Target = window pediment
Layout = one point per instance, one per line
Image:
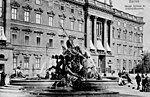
(81, 20)
(27, 7)
(15, 4)
(72, 36)
(51, 13)
(72, 18)
(62, 16)
(38, 10)
(81, 38)
(27, 30)
(51, 34)
(15, 28)
(38, 32)
(62, 35)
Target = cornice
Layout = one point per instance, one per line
(128, 19)
(100, 8)
(76, 2)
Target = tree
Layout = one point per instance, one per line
(144, 65)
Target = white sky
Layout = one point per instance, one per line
(120, 4)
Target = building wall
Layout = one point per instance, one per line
(127, 47)
(17, 29)
(44, 51)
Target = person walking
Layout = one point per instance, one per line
(138, 80)
(143, 82)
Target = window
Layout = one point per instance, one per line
(62, 7)
(37, 63)
(72, 25)
(62, 42)
(26, 62)
(50, 21)
(80, 12)
(62, 22)
(13, 13)
(26, 40)
(119, 48)
(0, 8)
(118, 23)
(141, 38)
(80, 26)
(50, 42)
(38, 18)
(130, 65)
(125, 34)
(119, 33)
(26, 16)
(124, 63)
(124, 49)
(99, 29)
(113, 32)
(38, 1)
(14, 38)
(130, 36)
(72, 9)
(130, 50)
(118, 65)
(135, 37)
(14, 62)
(38, 40)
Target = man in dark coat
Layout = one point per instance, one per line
(138, 80)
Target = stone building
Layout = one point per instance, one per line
(6, 50)
(127, 40)
(36, 30)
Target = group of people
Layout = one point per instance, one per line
(124, 76)
(142, 81)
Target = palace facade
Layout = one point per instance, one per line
(36, 30)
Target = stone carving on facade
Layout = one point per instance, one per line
(38, 10)
(15, 4)
(51, 13)
(27, 7)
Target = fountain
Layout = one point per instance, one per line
(75, 75)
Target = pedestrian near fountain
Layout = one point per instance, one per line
(143, 82)
(138, 80)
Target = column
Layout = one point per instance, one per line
(88, 32)
(95, 33)
(111, 22)
(105, 34)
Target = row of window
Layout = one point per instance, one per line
(27, 39)
(38, 19)
(135, 37)
(129, 26)
(127, 50)
(127, 64)
(25, 64)
(62, 6)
